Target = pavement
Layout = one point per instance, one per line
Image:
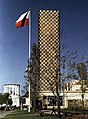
(4, 113)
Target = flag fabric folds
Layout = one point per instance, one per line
(26, 73)
(26, 70)
(23, 20)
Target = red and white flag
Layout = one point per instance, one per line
(23, 20)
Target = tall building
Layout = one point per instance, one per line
(49, 45)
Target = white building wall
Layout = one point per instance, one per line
(75, 92)
(16, 101)
(14, 91)
(74, 95)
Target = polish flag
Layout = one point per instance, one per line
(23, 20)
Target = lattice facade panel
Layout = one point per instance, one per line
(49, 45)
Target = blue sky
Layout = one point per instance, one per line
(14, 42)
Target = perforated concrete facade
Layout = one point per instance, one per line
(49, 45)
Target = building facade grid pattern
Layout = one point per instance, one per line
(49, 45)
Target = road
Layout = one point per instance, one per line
(4, 113)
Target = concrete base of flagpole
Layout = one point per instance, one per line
(28, 108)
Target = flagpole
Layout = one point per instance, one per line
(29, 53)
(22, 21)
(29, 34)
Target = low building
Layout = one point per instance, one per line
(14, 92)
(72, 96)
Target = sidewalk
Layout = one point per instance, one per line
(4, 113)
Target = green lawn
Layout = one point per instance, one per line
(26, 115)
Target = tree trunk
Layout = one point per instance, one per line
(83, 94)
(58, 93)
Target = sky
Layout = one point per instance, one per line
(14, 42)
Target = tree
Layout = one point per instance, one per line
(1, 98)
(73, 67)
(68, 60)
(25, 87)
(5, 99)
(82, 72)
(64, 69)
(33, 75)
